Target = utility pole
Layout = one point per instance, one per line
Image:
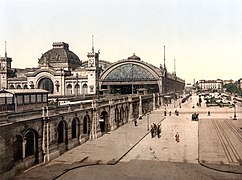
(6, 49)
(174, 82)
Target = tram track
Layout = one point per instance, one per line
(237, 132)
(230, 151)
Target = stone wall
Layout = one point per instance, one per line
(31, 137)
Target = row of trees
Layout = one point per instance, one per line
(233, 88)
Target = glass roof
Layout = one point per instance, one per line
(129, 72)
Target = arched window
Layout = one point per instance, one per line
(12, 87)
(25, 86)
(77, 89)
(84, 89)
(69, 89)
(30, 143)
(130, 72)
(19, 86)
(46, 84)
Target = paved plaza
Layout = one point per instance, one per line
(210, 148)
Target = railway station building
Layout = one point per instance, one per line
(62, 73)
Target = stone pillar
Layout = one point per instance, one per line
(140, 106)
(98, 130)
(158, 100)
(24, 147)
(62, 83)
(154, 104)
(45, 140)
(131, 111)
(93, 133)
(111, 115)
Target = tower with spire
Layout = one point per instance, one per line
(93, 70)
(5, 67)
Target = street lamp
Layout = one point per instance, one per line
(235, 118)
(148, 121)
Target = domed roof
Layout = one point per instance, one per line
(134, 57)
(60, 57)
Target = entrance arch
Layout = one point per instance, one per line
(31, 144)
(46, 84)
(75, 132)
(103, 122)
(62, 132)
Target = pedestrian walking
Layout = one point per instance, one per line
(135, 122)
(177, 137)
(155, 129)
(158, 131)
(209, 114)
(152, 131)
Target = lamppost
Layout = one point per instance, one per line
(235, 118)
(148, 119)
(132, 85)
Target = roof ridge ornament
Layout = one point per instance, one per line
(134, 57)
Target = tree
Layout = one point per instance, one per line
(232, 88)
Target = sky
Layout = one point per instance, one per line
(203, 38)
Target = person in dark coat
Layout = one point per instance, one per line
(152, 131)
(135, 122)
(155, 129)
(158, 130)
(177, 137)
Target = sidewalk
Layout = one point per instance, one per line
(107, 149)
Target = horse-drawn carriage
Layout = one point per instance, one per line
(195, 117)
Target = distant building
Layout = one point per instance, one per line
(228, 81)
(188, 88)
(213, 84)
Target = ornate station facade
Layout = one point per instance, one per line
(62, 73)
